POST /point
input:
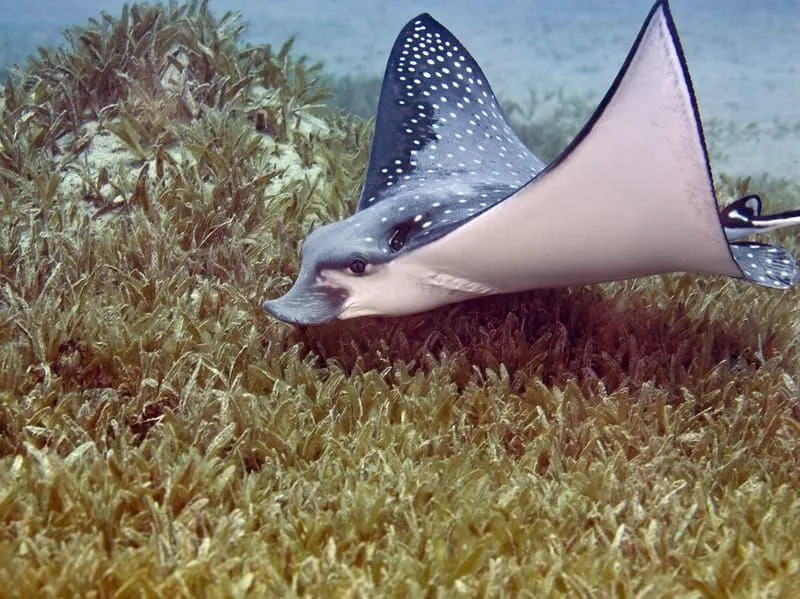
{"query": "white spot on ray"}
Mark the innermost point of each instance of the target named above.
(440, 141)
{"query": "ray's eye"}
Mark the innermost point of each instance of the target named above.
(358, 266)
(398, 239)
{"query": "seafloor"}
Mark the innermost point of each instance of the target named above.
(160, 435)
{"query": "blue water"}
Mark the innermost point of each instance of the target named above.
(744, 55)
(358, 34)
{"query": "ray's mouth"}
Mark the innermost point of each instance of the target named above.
(307, 305)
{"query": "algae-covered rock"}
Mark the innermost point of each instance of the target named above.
(160, 435)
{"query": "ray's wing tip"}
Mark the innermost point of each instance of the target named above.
(766, 265)
(794, 272)
(662, 9)
(423, 18)
(661, 4)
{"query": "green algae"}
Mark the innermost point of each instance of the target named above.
(159, 434)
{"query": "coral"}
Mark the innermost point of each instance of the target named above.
(161, 435)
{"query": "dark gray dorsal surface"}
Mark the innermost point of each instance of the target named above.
(767, 265)
(438, 118)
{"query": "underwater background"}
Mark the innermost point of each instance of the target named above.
(743, 55)
(160, 435)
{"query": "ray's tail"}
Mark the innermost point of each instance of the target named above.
(743, 217)
(767, 265)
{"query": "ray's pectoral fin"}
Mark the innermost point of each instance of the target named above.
(767, 265)
(589, 216)
(440, 130)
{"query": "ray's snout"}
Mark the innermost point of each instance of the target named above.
(306, 304)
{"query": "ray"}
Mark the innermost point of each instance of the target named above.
(455, 206)
(743, 218)
(438, 120)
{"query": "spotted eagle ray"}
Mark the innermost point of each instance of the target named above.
(455, 206)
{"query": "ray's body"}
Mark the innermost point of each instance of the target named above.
(455, 206)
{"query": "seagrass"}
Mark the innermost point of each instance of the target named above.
(161, 435)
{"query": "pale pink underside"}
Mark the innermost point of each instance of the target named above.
(632, 199)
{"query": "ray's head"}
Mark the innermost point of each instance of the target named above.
(442, 154)
(344, 265)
